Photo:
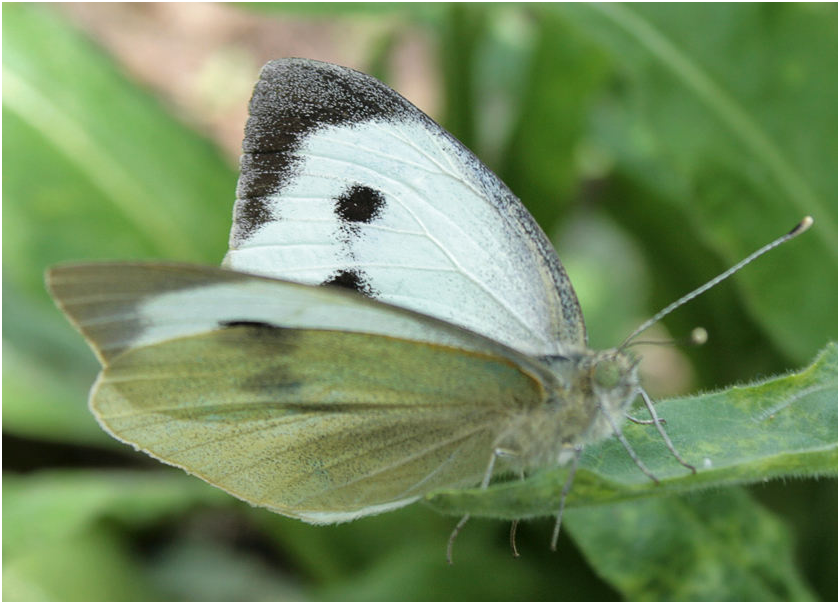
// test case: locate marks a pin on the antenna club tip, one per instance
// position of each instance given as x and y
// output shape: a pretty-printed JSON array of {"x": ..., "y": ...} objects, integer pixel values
[
  {"x": 803, "y": 226},
  {"x": 699, "y": 336}
]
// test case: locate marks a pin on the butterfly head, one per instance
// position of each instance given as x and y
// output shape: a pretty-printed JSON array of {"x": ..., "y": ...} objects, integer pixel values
[
  {"x": 614, "y": 380},
  {"x": 595, "y": 389}
]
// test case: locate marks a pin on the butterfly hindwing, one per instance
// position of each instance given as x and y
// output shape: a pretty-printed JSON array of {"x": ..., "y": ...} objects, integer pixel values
[
  {"x": 326, "y": 426},
  {"x": 315, "y": 402},
  {"x": 344, "y": 182}
]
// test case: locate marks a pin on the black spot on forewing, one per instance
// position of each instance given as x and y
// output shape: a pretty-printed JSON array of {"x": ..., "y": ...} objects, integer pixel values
[
  {"x": 351, "y": 279},
  {"x": 254, "y": 324},
  {"x": 359, "y": 204},
  {"x": 293, "y": 98}
]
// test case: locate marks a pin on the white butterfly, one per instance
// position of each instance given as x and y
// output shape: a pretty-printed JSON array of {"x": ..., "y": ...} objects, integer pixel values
[{"x": 450, "y": 337}]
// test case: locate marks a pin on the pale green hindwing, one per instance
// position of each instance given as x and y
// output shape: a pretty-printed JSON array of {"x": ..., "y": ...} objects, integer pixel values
[
  {"x": 325, "y": 426},
  {"x": 313, "y": 401}
]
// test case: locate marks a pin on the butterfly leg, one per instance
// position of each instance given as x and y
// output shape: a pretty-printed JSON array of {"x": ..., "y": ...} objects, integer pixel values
[
  {"x": 563, "y": 494},
  {"x": 662, "y": 433},
  {"x": 513, "y": 526},
  {"x": 452, "y": 537},
  {"x": 488, "y": 474},
  {"x": 617, "y": 433},
  {"x": 644, "y": 422}
]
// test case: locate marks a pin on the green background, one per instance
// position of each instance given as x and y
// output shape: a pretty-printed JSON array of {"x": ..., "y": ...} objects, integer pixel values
[{"x": 655, "y": 144}]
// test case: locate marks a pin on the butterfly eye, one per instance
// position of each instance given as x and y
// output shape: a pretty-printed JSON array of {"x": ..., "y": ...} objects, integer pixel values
[{"x": 607, "y": 374}]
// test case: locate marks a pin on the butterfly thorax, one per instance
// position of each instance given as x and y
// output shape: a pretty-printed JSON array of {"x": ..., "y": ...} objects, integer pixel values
[{"x": 592, "y": 392}]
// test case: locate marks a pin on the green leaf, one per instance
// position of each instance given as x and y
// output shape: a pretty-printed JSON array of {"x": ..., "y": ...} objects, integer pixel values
[
  {"x": 93, "y": 566},
  {"x": 541, "y": 159},
  {"x": 198, "y": 569},
  {"x": 48, "y": 506},
  {"x": 711, "y": 546},
  {"x": 107, "y": 147},
  {"x": 461, "y": 36},
  {"x": 377, "y": 558},
  {"x": 94, "y": 167},
  {"x": 785, "y": 426},
  {"x": 720, "y": 129},
  {"x": 59, "y": 521}
]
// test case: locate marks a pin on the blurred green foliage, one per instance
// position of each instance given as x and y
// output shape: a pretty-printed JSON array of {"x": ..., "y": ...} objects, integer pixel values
[{"x": 656, "y": 144}]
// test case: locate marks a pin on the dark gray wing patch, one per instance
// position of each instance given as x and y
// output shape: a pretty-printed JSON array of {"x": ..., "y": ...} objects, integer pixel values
[{"x": 293, "y": 98}]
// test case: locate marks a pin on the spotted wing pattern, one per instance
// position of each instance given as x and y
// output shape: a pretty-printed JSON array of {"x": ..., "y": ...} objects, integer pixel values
[{"x": 344, "y": 182}]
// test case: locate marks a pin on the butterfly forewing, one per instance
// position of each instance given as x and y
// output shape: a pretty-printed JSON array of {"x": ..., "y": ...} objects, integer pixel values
[
  {"x": 322, "y": 425},
  {"x": 344, "y": 182}
]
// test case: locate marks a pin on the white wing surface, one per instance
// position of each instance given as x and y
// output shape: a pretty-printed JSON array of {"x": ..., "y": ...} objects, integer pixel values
[{"x": 344, "y": 182}]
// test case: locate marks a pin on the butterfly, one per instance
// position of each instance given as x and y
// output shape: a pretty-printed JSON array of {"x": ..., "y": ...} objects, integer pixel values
[{"x": 389, "y": 320}]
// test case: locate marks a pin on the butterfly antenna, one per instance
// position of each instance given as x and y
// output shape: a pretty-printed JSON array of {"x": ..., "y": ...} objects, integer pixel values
[
  {"x": 800, "y": 228},
  {"x": 697, "y": 337}
]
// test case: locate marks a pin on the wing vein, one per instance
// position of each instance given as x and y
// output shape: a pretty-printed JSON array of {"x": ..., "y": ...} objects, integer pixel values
[
  {"x": 400, "y": 462},
  {"x": 498, "y": 300}
]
